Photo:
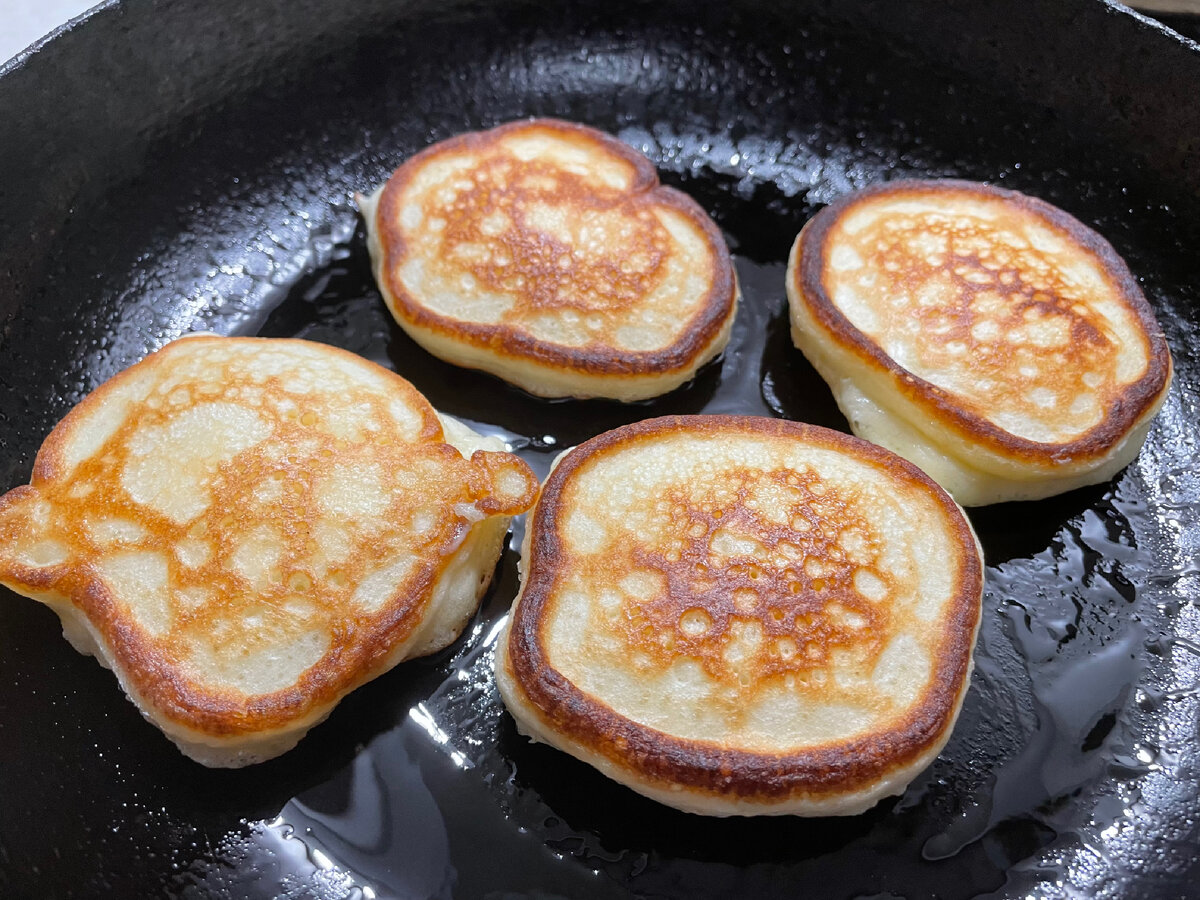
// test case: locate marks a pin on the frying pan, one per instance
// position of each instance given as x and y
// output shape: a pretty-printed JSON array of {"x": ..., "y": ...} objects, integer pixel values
[{"x": 168, "y": 167}]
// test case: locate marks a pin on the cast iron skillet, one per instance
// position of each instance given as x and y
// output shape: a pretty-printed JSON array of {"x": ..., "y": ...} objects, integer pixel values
[{"x": 167, "y": 167}]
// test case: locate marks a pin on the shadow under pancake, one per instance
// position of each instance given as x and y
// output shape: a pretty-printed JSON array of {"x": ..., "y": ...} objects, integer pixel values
[
  {"x": 579, "y": 813},
  {"x": 1020, "y": 529},
  {"x": 626, "y": 819},
  {"x": 791, "y": 387}
]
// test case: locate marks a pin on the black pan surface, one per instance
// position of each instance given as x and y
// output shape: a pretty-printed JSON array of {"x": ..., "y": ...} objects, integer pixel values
[{"x": 167, "y": 167}]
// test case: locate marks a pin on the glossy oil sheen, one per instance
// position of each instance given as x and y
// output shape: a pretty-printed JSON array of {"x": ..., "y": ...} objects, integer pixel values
[{"x": 1073, "y": 766}]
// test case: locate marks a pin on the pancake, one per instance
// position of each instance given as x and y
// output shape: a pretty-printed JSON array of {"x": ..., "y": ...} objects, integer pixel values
[
  {"x": 990, "y": 338},
  {"x": 742, "y": 616},
  {"x": 549, "y": 255},
  {"x": 245, "y": 530}
]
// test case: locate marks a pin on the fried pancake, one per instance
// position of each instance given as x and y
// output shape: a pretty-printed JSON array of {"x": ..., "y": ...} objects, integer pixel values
[
  {"x": 548, "y": 254},
  {"x": 742, "y": 616},
  {"x": 245, "y": 530},
  {"x": 990, "y": 338}
]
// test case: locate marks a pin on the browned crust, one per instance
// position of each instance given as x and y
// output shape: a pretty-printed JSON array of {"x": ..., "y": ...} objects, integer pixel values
[
  {"x": 1124, "y": 411},
  {"x": 831, "y": 769},
  {"x": 601, "y": 360},
  {"x": 358, "y": 650}
]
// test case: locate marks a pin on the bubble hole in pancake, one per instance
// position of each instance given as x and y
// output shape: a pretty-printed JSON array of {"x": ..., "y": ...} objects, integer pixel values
[
  {"x": 986, "y": 336},
  {"x": 743, "y": 616},
  {"x": 245, "y": 530},
  {"x": 548, "y": 254}
]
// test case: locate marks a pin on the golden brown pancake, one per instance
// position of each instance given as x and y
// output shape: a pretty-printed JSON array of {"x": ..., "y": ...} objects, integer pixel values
[
  {"x": 987, "y": 336},
  {"x": 740, "y": 616},
  {"x": 548, "y": 254},
  {"x": 245, "y": 530}
]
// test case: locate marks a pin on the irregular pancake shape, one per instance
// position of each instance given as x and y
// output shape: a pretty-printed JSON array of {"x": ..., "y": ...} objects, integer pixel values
[
  {"x": 548, "y": 254},
  {"x": 743, "y": 616},
  {"x": 245, "y": 530},
  {"x": 987, "y": 336}
]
